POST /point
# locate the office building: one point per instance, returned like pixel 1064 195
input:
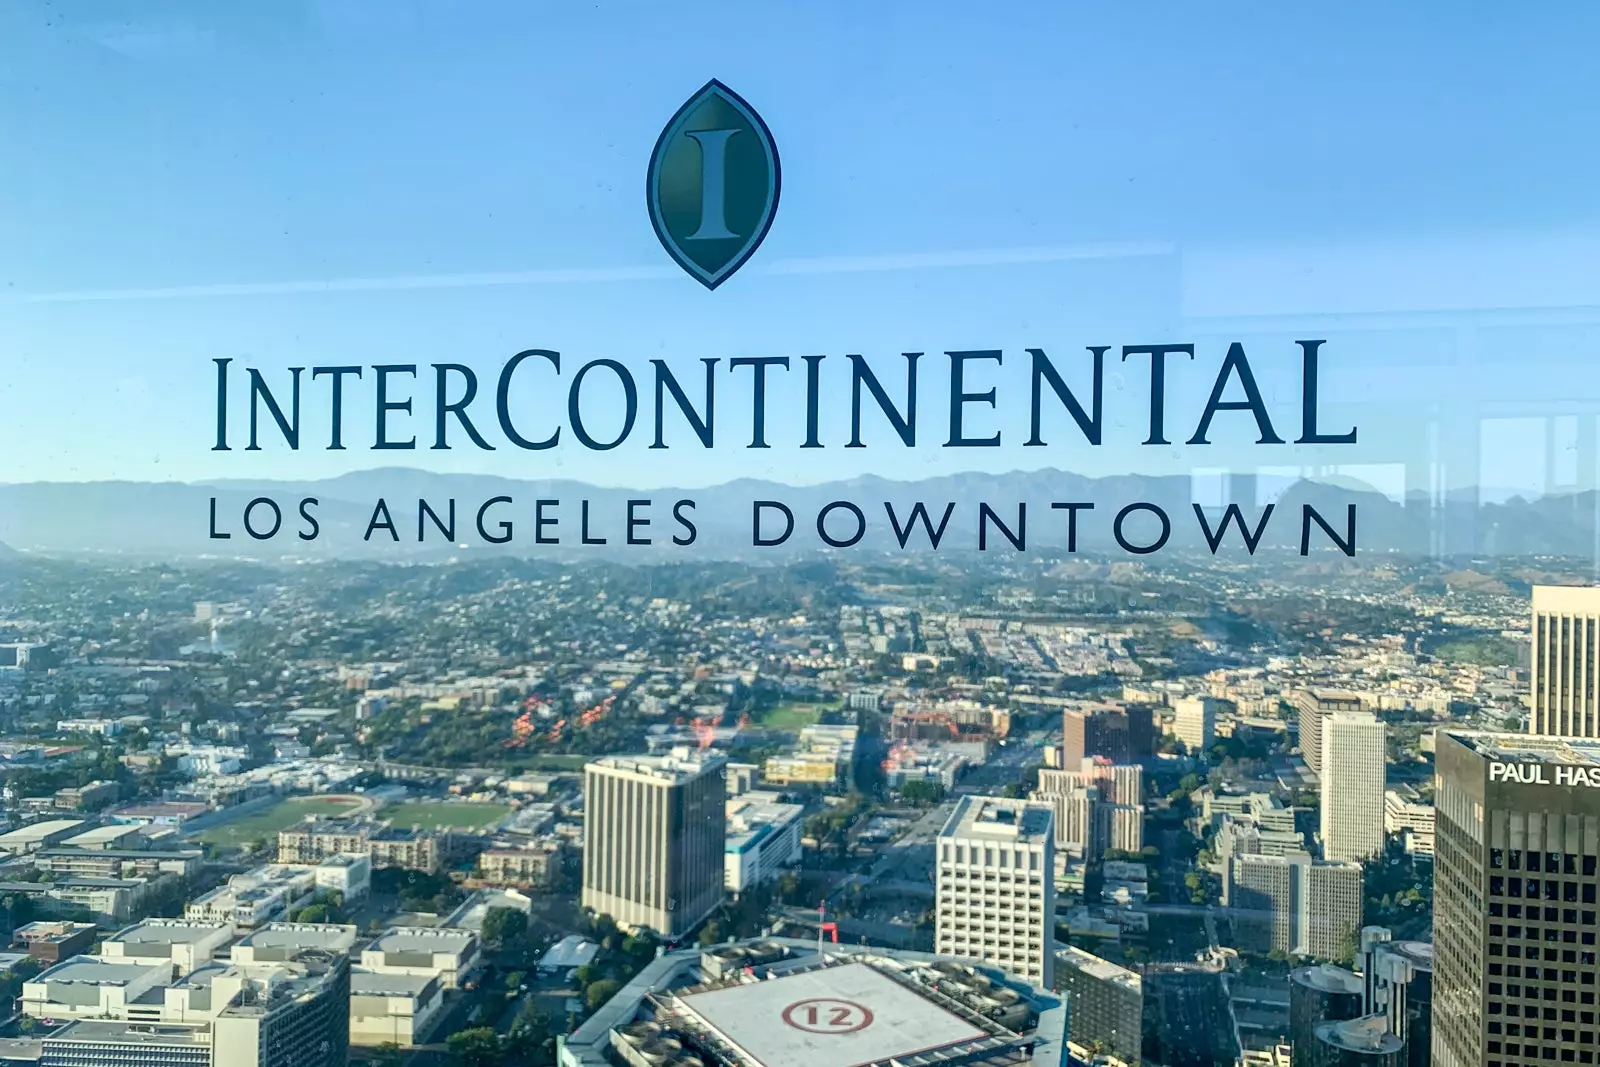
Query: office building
pixel 655 829
pixel 1312 707
pixel 1516 851
pixel 1410 820
pixel 996 886
pixel 1121 734
pixel 1352 801
pixel 1397 978
pixel 1564 665
pixel 1319 994
pixel 1294 904
pixel 763 839
pixel 1194 722
pixel 1105 1004
pixel 283 1014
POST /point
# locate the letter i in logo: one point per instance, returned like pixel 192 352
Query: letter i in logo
pixel 713 184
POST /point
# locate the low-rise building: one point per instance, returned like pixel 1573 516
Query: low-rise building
pixel 118 863
pixel 763 838
pixel 398 1009
pixel 90 797
pixel 257 896
pixel 110 836
pixel 349 874
pixel 449 954
pixel 33 837
pixel 184 944
pixel 52 942
pixel 531 867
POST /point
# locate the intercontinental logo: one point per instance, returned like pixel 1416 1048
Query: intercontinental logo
pixel 713 184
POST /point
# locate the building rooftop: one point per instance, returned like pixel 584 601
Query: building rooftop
pixel 1095 967
pixel 852 1014
pixel 93 970
pixel 1327 978
pixel 123 1033
pixel 998 817
pixel 779 1003
pixel 170 932
pixel 1527 748
pixel 370 984
pixel 423 939
pixel 113 832
pixel 294 937
pixel 37 831
pixel 680 765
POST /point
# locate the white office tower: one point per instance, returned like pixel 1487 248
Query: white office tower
pixel 655 829
pixel 1352 785
pixel 1194 722
pixel 997 886
pixel 1565 664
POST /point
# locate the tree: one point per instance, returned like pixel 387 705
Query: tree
pixel 478 1047
pixel 502 926
pixel 600 992
pixel 711 933
pixel 922 792
pixel 387 1055
pixel 312 913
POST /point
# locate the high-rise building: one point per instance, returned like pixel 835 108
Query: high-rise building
pixel 1517 845
pixel 1097 806
pixel 1124 735
pixel 1294 904
pixel 654 835
pixel 1352 785
pixel 1565 664
pixel 1319 994
pixel 1105 1003
pixel 1397 978
pixel 1312 707
pixel 996 886
pixel 1194 722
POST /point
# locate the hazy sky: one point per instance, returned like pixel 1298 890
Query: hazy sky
pixel 353 182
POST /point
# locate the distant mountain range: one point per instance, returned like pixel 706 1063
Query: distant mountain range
pixel 170 519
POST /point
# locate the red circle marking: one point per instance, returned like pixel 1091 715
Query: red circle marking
pixel 828 1015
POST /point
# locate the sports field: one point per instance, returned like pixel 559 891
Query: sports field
pixel 790 717
pixel 445 815
pixel 268 822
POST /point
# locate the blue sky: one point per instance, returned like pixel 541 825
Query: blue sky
pixel 355 182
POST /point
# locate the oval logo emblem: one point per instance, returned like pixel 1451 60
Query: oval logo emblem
pixel 713 184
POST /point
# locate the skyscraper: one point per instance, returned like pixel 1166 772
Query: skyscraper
pixel 1313 706
pixel 654 837
pixel 1352 785
pixel 1122 735
pixel 996 886
pixel 1565 664
pixel 1194 722
pixel 1514 919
